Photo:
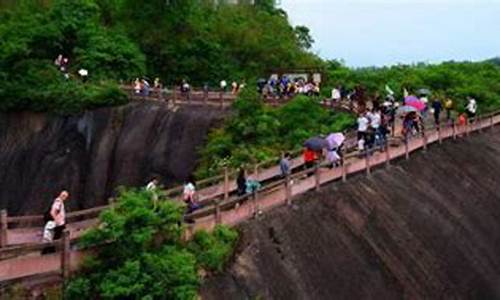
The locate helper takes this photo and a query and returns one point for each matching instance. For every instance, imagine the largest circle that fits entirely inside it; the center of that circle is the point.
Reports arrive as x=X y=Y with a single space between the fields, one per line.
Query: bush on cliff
x=142 y=255
x=258 y=132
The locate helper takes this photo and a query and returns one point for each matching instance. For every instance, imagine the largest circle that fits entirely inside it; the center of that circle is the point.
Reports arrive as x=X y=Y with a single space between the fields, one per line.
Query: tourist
x=285 y=165
x=223 y=85
x=448 y=106
x=333 y=157
x=437 y=107
x=157 y=83
x=241 y=182
x=189 y=194
x=363 y=124
x=309 y=158
x=58 y=214
x=137 y=86
x=234 y=88
x=185 y=87
x=58 y=61
x=152 y=187
x=55 y=219
x=375 y=123
x=84 y=73
x=336 y=94
x=471 y=108
x=145 y=88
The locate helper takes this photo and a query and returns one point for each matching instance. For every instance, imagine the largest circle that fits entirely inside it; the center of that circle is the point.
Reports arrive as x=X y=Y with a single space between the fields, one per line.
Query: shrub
x=141 y=254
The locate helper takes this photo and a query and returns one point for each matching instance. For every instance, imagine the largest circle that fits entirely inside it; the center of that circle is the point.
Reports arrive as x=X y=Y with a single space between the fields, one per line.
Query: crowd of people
x=62 y=64
x=286 y=87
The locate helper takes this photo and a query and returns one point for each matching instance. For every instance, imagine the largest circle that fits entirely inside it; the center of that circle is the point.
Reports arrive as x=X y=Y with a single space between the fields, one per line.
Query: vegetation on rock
x=142 y=254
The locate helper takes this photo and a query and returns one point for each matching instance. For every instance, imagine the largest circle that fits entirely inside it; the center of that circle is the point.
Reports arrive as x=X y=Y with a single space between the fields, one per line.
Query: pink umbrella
x=413 y=101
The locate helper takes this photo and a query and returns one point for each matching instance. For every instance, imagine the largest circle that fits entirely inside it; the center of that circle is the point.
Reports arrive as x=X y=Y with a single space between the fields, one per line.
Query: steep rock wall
x=428 y=228
x=92 y=154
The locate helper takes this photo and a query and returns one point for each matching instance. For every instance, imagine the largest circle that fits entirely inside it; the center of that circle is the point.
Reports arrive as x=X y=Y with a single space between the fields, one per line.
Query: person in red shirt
x=309 y=158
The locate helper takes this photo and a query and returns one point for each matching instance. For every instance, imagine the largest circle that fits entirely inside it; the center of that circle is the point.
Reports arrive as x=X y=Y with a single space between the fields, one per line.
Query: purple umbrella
x=335 y=140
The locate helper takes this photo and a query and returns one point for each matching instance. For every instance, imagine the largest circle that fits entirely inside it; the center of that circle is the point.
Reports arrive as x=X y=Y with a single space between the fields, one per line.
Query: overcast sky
x=381 y=32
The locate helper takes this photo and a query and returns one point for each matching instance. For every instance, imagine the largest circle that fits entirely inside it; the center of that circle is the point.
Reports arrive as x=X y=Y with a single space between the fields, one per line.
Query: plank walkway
x=275 y=194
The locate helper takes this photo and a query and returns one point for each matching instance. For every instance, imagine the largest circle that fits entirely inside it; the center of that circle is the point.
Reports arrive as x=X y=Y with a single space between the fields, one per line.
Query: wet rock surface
x=428 y=228
x=94 y=153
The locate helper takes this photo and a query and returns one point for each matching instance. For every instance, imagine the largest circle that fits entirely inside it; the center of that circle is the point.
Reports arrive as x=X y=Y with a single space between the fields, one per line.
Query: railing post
x=424 y=139
x=174 y=94
x=188 y=232
x=344 y=171
x=288 y=190
x=65 y=254
x=407 y=150
x=205 y=97
x=3 y=228
x=440 y=137
x=367 y=162
x=188 y=95
x=221 y=98
x=256 y=172
x=255 y=201
x=226 y=184
x=218 y=219
x=387 y=155
x=479 y=124
x=492 y=124
x=317 y=182
x=160 y=93
x=454 y=128
x=467 y=127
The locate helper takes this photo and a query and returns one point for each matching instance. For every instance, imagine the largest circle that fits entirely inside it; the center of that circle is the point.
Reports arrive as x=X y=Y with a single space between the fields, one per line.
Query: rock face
x=94 y=153
x=428 y=228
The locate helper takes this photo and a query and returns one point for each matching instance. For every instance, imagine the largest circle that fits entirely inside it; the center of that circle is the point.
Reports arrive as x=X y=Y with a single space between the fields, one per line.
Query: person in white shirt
x=223 y=85
x=152 y=187
x=336 y=95
x=363 y=124
x=189 y=194
x=471 y=107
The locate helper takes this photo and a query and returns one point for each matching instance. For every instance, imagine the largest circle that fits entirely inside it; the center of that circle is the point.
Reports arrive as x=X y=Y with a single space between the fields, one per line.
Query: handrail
x=271 y=188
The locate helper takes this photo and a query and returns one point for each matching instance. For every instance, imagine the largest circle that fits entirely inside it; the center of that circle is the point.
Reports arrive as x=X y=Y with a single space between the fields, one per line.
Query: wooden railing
x=17 y=261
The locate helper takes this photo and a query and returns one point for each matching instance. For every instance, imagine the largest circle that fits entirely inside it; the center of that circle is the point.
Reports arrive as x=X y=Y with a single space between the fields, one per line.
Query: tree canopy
x=123 y=39
x=142 y=255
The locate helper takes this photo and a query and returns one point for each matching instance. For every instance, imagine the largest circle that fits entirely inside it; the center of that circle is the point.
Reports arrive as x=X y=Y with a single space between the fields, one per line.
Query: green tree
x=142 y=255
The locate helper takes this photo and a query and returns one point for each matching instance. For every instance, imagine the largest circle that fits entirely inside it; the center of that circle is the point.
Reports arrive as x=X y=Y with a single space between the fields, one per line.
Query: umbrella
x=424 y=92
x=406 y=109
x=335 y=139
x=316 y=143
x=415 y=102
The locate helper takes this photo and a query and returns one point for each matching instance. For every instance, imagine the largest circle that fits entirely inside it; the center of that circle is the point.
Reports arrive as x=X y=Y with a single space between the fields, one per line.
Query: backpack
x=47 y=216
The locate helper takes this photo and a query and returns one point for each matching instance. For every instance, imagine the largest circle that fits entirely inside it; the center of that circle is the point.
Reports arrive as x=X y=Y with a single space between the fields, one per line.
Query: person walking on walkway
x=437 y=107
x=152 y=187
x=285 y=165
x=189 y=194
x=241 y=182
x=471 y=108
x=448 y=106
x=56 y=221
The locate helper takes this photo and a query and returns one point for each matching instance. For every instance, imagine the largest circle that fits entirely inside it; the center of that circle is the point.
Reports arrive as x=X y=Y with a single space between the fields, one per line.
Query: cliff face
x=92 y=154
x=428 y=228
